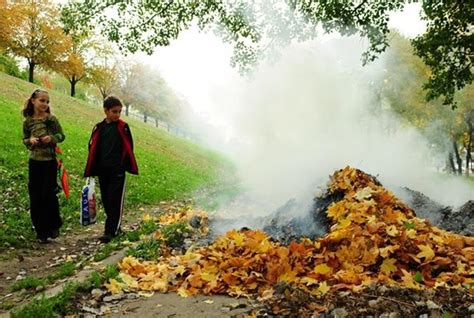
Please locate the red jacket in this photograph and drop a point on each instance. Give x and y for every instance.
(129, 162)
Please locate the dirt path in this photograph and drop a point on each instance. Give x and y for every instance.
(44, 259)
(76, 246)
(171, 305)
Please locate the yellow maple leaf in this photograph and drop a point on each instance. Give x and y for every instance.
(438, 239)
(266, 294)
(288, 277)
(129, 280)
(208, 276)
(388, 266)
(237, 237)
(411, 233)
(147, 217)
(322, 269)
(183, 292)
(344, 223)
(264, 246)
(180, 269)
(408, 281)
(114, 286)
(461, 268)
(309, 281)
(335, 210)
(426, 252)
(392, 230)
(160, 284)
(371, 219)
(387, 250)
(363, 194)
(323, 288)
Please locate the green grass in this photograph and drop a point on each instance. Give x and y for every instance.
(56, 306)
(62, 303)
(170, 167)
(146, 250)
(29, 282)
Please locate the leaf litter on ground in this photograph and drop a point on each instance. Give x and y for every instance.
(374, 238)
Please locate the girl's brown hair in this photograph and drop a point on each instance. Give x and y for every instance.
(28, 109)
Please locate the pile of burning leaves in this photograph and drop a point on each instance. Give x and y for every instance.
(373, 238)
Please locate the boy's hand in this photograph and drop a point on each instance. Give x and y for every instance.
(35, 141)
(46, 139)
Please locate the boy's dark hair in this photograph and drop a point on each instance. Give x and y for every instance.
(111, 101)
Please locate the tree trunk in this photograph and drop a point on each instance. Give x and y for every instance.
(31, 70)
(127, 109)
(156, 122)
(73, 82)
(458, 157)
(145, 118)
(103, 92)
(451, 163)
(469, 145)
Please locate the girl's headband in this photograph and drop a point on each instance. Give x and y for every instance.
(36, 91)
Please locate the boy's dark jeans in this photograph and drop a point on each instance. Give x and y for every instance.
(44, 205)
(112, 192)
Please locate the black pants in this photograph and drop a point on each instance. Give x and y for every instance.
(44, 205)
(112, 192)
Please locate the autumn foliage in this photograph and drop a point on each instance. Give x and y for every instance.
(374, 238)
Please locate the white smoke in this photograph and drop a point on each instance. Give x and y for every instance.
(314, 111)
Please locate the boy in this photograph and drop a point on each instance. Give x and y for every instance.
(110, 156)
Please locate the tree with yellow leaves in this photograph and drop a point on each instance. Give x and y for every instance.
(31, 29)
(105, 77)
(78, 64)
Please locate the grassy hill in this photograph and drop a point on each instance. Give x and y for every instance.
(170, 167)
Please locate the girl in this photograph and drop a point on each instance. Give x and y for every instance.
(41, 133)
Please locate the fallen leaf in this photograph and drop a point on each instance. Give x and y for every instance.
(322, 269)
(426, 252)
(388, 266)
(392, 230)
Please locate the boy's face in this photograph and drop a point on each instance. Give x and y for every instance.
(112, 114)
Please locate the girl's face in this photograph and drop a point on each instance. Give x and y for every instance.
(112, 114)
(40, 103)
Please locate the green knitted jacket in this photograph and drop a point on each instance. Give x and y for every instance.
(40, 128)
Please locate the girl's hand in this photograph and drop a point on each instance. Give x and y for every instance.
(46, 139)
(34, 141)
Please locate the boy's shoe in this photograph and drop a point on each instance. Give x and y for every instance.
(54, 234)
(106, 238)
(42, 240)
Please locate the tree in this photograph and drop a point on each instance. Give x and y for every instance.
(449, 131)
(80, 54)
(145, 89)
(150, 90)
(447, 47)
(105, 77)
(129, 83)
(31, 30)
(254, 26)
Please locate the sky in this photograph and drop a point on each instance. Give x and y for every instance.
(196, 63)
